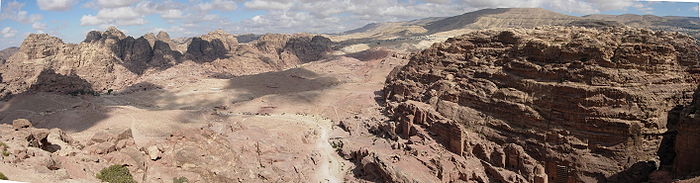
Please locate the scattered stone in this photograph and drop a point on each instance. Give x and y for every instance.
(21, 123)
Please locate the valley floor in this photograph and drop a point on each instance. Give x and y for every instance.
(284, 118)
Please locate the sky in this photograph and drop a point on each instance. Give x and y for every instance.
(70, 20)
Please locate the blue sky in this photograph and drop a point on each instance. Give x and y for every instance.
(72, 19)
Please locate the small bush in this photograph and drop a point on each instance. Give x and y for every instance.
(3, 177)
(180, 180)
(3, 149)
(116, 174)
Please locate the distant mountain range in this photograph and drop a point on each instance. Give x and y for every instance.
(397, 33)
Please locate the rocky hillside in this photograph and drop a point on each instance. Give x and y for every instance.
(519, 18)
(7, 52)
(500, 18)
(419, 34)
(581, 104)
(689, 25)
(111, 60)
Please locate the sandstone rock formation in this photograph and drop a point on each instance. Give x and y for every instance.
(581, 104)
(52, 152)
(686, 147)
(112, 60)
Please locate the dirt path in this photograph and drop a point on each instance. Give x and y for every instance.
(329, 169)
(330, 165)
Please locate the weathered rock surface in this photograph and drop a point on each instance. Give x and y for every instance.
(577, 104)
(53, 153)
(21, 123)
(687, 140)
(112, 60)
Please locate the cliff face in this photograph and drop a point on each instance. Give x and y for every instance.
(585, 104)
(111, 60)
(687, 140)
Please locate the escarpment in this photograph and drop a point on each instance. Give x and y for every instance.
(583, 104)
(686, 162)
(110, 59)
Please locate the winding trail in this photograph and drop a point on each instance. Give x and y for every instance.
(329, 168)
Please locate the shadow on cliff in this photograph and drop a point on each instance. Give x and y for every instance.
(200, 50)
(137, 55)
(640, 171)
(666, 151)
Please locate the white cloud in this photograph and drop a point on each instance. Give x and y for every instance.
(269, 4)
(8, 32)
(118, 13)
(38, 26)
(210, 17)
(172, 14)
(59, 5)
(13, 11)
(114, 16)
(226, 5)
(115, 3)
(437, 1)
(90, 20)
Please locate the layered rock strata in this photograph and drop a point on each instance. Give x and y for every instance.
(584, 104)
(112, 60)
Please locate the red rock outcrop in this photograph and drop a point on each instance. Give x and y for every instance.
(581, 104)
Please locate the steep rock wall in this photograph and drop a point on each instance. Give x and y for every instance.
(585, 103)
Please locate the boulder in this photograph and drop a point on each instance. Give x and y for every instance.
(154, 152)
(21, 123)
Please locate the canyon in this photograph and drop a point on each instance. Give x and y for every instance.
(469, 98)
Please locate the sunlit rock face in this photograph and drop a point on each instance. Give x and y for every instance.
(585, 104)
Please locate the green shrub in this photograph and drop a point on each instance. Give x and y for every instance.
(3, 177)
(180, 180)
(116, 174)
(3, 149)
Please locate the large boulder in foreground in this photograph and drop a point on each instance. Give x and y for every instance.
(586, 104)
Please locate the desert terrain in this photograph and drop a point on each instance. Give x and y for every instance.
(486, 96)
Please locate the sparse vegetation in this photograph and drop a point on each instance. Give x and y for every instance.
(3, 177)
(116, 174)
(180, 180)
(3, 148)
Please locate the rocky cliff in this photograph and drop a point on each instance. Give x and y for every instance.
(581, 104)
(112, 60)
(686, 145)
